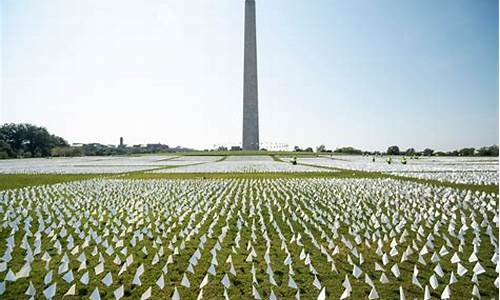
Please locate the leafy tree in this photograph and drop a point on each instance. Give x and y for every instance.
(410, 152)
(393, 150)
(466, 152)
(309, 149)
(321, 148)
(26, 140)
(297, 149)
(5, 149)
(428, 152)
(488, 151)
(348, 150)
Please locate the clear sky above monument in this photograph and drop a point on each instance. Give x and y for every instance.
(361, 73)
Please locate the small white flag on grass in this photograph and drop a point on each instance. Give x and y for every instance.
(272, 296)
(453, 279)
(175, 295)
(475, 292)
(85, 278)
(31, 291)
(137, 280)
(373, 294)
(71, 291)
(368, 280)
(316, 283)
(68, 277)
(147, 294)
(225, 281)
(50, 292)
(291, 283)
(255, 293)
(12, 277)
(427, 293)
(461, 270)
(473, 257)
(401, 293)
(438, 270)
(204, 282)
(395, 270)
(108, 279)
(24, 272)
(455, 259)
(185, 281)
(47, 279)
(446, 293)
(322, 294)
(99, 268)
(161, 282)
(356, 271)
(95, 295)
(118, 293)
(433, 282)
(384, 279)
(478, 269)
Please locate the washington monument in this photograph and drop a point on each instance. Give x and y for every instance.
(250, 86)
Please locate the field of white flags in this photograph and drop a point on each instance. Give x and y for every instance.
(466, 170)
(248, 239)
(94, 165)
(477, 170)
(242, 164)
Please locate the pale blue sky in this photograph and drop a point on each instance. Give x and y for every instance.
(362, 73)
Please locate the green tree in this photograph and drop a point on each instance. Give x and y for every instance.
(393, 150)
(5, 150)
(410, 152)
(488, 151)
(321, 148)
(26, 140)
(428, 152)
(467, 152)
(348, 150)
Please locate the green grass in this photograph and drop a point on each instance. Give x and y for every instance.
(13, 181)
(167, 159)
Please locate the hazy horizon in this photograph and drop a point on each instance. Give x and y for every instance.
(339, 73)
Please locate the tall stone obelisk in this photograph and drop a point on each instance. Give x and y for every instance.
(250, 86)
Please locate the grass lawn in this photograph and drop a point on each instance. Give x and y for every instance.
(13, 181)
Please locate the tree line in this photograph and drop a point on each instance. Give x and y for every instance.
(27, 140)
(483, 151)
(394, 150)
